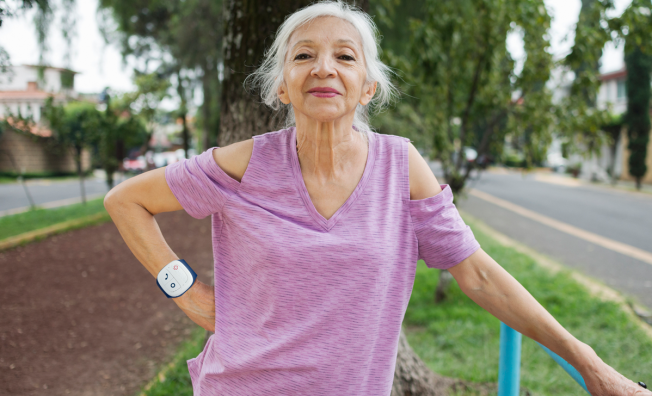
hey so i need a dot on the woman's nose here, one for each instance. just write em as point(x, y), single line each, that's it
point(324, 68)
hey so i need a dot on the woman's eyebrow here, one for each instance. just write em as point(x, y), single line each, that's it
point(305, 41)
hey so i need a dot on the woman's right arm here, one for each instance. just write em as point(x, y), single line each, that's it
point(132, 205)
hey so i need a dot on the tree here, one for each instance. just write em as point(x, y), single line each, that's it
point(637, 118)
point(119, 130)
point(634, 26)
point(74, 126)
point(467, 90)
point(152, 88)
point(184, 39)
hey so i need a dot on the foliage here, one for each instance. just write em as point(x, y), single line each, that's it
point(460, 339)
point(67, 79)
point(120, 130)
point(634, 27)
point(637, 118)
point(182, 38)
point(580, 124)
point(463, 81)
point(75, 125)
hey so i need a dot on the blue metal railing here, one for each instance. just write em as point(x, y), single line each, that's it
point(509, 369)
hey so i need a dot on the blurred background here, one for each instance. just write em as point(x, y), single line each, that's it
point(535, 112)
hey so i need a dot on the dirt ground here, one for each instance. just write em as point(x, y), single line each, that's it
point(79, 315)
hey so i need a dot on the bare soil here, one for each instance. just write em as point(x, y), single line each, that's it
point(79, 315)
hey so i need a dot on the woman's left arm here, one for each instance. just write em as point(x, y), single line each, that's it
point(495, 290)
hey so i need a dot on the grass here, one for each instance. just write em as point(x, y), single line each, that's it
point(459, 339)
point(32, 220)
point(174, 379)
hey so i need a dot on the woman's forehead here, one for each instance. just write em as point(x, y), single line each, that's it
point(326, 30)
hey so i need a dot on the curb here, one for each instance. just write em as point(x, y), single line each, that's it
point(31, 236)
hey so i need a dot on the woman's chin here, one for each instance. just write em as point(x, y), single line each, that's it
point(325, 115)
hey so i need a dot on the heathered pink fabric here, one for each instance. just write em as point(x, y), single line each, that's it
point(305, 305)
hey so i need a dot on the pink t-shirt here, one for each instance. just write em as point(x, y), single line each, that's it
point(305, 305)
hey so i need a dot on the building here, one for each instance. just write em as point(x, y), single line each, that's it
point(24, 91)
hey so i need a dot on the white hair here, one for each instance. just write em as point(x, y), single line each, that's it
point(269, 76)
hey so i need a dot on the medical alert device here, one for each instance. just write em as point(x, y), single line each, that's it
point(176, 278)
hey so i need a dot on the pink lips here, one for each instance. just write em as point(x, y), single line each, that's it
point(324, 92)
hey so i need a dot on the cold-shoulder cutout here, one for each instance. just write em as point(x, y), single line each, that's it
point(234, 159)
point(423, 183)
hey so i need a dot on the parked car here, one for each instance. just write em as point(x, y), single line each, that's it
point(137, 165)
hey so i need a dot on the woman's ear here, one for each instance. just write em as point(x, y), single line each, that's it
point(368, 92)
point(282, 93)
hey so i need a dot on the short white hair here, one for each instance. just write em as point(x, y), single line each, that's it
point(269, 76)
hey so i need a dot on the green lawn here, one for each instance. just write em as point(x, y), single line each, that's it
point(39, 218)
point(459, 339)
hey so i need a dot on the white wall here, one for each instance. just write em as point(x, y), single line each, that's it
point(609, 96)
point(21, 75)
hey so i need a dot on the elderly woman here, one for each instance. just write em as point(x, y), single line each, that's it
point(317, 229)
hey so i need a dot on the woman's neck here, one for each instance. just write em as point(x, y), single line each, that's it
point(326, 148)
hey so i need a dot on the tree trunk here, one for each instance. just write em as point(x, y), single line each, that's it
point(445, 279)
point(412, 377)
point(80, 172)
point(249, 28)
point(206, 106)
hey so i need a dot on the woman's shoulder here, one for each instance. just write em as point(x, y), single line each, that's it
point(391, 146)
point(234, 159)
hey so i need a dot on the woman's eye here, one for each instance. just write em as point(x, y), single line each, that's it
point(347, 57)
point(301, 57)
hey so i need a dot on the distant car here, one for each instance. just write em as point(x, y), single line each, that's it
point(470, 154)
point(165, 158)
point(556, 162)
point(137, 165)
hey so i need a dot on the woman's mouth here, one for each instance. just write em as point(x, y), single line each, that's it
point(324, 92)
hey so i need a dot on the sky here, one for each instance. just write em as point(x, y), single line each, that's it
point(100, 65)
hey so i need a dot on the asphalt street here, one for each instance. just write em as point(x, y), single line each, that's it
point(621, 216)
point(12, 195)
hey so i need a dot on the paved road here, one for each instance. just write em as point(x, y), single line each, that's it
point(621, 216)
point(12, 196)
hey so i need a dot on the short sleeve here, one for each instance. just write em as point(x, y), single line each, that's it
point(444, 239)
point(200, 185)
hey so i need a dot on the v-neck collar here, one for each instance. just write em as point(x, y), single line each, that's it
point(303, 191)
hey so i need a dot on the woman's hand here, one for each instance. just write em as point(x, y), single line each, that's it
point(602, 380)
point(199, 304)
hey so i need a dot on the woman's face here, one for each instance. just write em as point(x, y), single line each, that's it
point(324, 76)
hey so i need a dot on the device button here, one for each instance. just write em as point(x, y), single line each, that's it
point(179, 271)
point(168, 282)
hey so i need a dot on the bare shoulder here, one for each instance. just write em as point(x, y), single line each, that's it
point(423, 183)
point(234, 159)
